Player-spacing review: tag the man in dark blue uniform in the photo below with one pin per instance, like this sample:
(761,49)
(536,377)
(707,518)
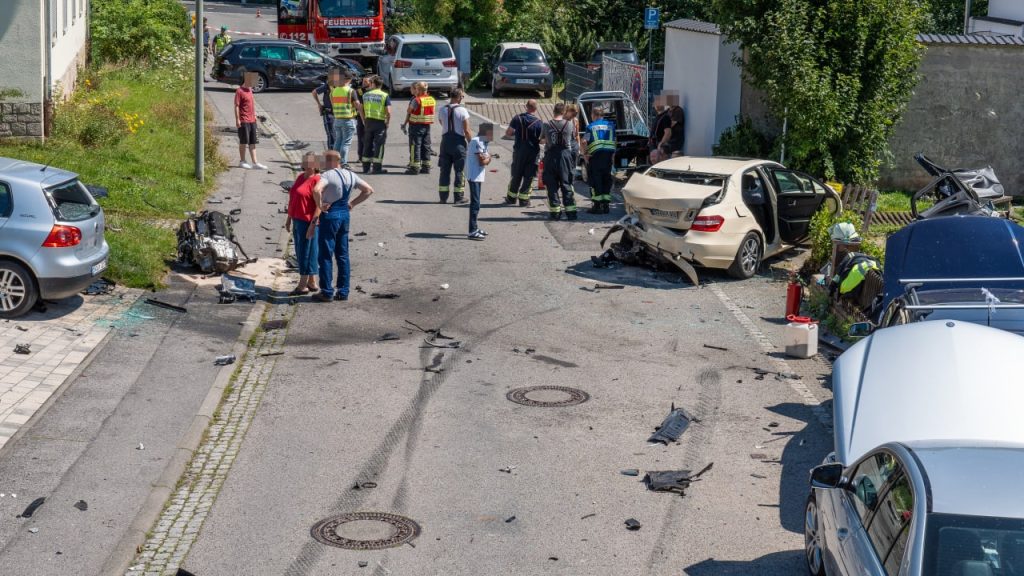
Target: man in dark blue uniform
(526,128)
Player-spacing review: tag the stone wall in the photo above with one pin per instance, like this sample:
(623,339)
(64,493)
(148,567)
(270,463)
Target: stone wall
(21,120)
(966,112)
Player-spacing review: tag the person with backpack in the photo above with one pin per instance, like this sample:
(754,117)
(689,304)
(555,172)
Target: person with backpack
(335,189)
(558,168)
(526,128)
(455,134)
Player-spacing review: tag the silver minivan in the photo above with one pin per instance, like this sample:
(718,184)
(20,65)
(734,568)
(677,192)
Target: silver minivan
(51,236)
(411,58)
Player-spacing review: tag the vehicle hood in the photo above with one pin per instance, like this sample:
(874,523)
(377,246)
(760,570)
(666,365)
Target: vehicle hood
(954,247)
(643,193)
(932,381)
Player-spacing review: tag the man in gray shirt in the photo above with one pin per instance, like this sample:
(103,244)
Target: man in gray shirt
(335,187)
(557,138)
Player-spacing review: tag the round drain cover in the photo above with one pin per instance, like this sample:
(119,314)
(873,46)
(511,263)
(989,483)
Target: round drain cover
(547,396)
(365,530)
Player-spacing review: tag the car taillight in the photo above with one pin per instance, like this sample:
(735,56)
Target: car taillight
(707,223)
(450,63)
(545,69)
(63,237)
(502,69)
(403,64)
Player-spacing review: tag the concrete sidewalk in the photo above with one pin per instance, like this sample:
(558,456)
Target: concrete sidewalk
(121,431)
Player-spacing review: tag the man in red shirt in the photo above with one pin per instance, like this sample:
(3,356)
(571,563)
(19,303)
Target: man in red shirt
(245,120)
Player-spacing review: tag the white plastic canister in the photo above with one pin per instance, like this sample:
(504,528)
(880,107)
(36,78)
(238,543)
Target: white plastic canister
(801,339)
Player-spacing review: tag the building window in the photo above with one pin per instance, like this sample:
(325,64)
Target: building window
(53,21)
(66,18)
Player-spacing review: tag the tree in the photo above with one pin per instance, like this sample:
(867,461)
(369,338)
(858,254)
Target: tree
(947,16)
(839,71)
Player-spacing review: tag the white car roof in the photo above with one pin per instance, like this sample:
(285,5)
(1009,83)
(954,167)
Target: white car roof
(928,381)
(506,45)
(711,164)
(406,38)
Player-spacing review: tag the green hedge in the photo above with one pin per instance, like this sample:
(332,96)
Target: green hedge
(133,30)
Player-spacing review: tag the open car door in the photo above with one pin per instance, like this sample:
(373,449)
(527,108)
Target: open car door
(797,198)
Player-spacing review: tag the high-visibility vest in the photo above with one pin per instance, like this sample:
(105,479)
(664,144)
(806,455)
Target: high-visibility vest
(341,102)
(856,275)
(373,105)
(425,115)
(220,41)
(601,137)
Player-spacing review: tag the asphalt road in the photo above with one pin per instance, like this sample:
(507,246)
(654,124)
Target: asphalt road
(432,428)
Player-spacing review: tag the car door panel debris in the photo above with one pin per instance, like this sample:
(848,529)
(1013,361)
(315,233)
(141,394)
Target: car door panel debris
(676,481)
(673,426)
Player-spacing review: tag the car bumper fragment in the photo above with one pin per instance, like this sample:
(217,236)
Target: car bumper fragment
(631,224)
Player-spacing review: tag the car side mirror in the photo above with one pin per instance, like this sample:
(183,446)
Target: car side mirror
(859,329)
(827,476)
(97,191)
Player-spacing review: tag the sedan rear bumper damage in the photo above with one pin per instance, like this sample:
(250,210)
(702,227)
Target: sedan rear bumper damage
(636,230)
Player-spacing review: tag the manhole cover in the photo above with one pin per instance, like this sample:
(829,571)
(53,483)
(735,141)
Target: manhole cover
(547,396)
(365,530)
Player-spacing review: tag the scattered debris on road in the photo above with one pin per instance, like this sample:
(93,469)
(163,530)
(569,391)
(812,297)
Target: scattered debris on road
(234,287)
(384,295)
(673,426)
(510,519)
(632,524)
(22,349)
(100,287)
(387,336)
(33,530)
(31,509)
(82,505)
(224,360)
(265,354)
(712,347)
(141,446)
(363,563)
(444,286)
(162,304)
(591,515)
(507,469)
(364,486)
(608,287)
(274,325)
(22,328)
(630,472)
(672,480)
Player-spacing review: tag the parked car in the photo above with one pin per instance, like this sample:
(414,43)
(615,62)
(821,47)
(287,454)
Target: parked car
(279,64)
(51,236)
(622,51)
(717,212)
(411,58)
(968,268)
(929,447)
(520,66)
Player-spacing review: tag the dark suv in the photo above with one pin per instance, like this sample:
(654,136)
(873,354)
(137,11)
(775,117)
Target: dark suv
(279,64)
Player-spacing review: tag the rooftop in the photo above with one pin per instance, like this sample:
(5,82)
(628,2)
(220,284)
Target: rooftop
(694,26)
(970,39)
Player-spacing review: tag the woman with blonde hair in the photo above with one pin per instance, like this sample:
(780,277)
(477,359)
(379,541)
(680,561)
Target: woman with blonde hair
(303,216)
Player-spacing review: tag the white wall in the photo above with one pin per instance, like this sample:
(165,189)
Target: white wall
(1012,9)
(691,69)
(730,88)
(68,42)
(21,44)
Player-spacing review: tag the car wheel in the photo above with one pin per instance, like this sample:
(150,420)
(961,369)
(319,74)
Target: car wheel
(813,553)
(18,293)
(748,257)
(261,83)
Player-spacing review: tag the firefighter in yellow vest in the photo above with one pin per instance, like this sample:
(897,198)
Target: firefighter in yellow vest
(419,118)
(345,105)
(376,117)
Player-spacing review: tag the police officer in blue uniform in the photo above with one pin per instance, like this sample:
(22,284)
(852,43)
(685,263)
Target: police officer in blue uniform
(599,154)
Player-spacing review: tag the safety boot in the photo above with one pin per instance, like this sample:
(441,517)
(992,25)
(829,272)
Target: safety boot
(606,208)
(571,216)
(554,216)
(443,197)
(596,208)
(459,199)
(379,169)
(425,169)
(366,167)
(412,170)
(524,203)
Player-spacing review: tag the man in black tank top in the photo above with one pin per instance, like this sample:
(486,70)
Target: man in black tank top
(558,166)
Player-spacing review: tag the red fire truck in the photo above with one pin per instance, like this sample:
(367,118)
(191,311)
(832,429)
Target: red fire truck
(349,28)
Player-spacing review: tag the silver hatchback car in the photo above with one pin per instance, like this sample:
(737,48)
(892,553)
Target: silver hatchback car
(51,236)
(412,58)
(928,465)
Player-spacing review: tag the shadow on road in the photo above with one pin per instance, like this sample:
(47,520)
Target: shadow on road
(804,450)
(435,236)
(777,563)
(630,276)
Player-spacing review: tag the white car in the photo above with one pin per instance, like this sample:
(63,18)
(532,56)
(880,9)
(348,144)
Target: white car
(411,58)
(928,465)
(726,213)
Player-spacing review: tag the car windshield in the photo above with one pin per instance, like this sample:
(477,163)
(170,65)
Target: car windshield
(522,55)
(622,56)
(426,50)
(72,202)
(956,544)
(955,305)
(349,8)
(697,178)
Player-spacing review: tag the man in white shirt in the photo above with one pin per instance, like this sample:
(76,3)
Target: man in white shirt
(478,159)
(455,133)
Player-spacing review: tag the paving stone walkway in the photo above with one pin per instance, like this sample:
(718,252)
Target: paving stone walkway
(58,341)
(181,520)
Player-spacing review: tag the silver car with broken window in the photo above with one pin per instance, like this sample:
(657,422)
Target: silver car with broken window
(929,457)
(51,236)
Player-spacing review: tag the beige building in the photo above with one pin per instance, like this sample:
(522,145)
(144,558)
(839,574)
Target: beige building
(42,47)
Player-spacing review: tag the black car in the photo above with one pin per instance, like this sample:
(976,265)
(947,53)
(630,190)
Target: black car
(279,63)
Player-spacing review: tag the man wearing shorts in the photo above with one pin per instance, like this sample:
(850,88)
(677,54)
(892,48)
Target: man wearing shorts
(245,121)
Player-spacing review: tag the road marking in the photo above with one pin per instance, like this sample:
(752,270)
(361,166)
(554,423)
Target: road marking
(769,348)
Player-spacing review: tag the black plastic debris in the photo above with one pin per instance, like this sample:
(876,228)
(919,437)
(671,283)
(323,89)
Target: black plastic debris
(388,336)
(676,481)
(224,360)
(82,505)
(510,519)
(605,260)
(22,349)
(591,515)
(99,288)
(384,295)
(672,427)
(630,472)
(274,325)
(360,234)
(162,304)
(713,347)
(632,524)
(183,572)
(363,563)
(31,509)
(22,328)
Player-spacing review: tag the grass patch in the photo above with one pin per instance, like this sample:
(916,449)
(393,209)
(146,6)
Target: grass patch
(141,151)
(899,201)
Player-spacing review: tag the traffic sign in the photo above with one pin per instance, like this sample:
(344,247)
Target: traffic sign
(652,16)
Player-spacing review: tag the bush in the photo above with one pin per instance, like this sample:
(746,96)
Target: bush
(744,141)
(125,30)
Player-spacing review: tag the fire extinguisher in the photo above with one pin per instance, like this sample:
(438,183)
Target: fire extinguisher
(794,293)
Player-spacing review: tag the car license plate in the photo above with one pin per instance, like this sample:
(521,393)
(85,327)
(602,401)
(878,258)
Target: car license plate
(429,72)
(99,268)
(673,214)
(524,81)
